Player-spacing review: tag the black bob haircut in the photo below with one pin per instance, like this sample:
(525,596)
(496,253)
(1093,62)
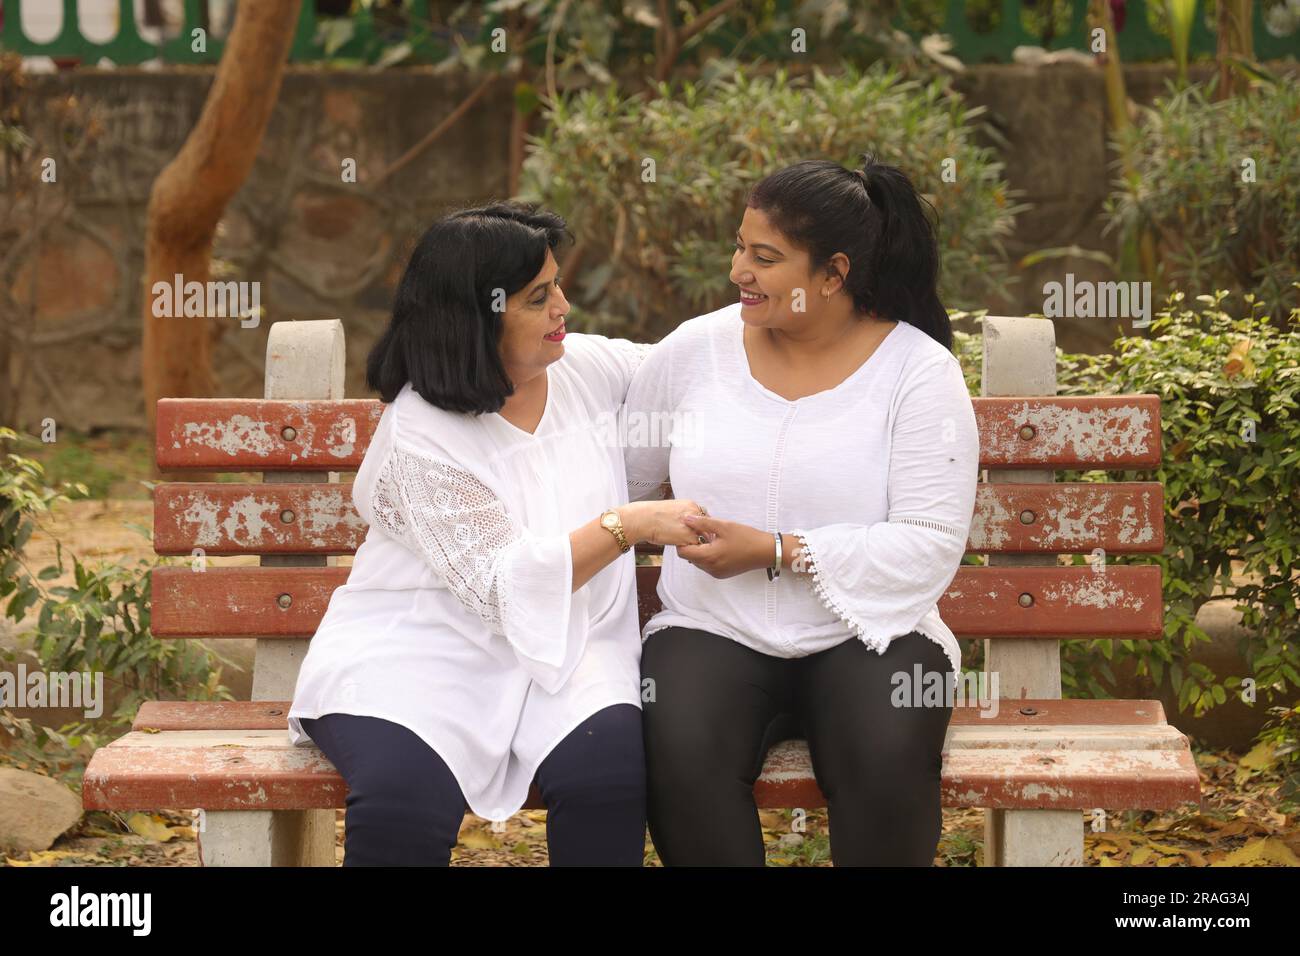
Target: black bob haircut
(444,334)
(873,215)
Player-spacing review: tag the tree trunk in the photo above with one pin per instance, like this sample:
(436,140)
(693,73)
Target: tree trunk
(1236,39)
(191,193)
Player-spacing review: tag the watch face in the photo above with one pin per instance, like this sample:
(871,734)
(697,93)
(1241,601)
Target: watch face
(609,520)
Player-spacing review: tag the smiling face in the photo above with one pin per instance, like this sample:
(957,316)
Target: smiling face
(775,278)
(532,333)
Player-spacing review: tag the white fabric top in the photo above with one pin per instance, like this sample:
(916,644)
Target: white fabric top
(458,619)
(878,474)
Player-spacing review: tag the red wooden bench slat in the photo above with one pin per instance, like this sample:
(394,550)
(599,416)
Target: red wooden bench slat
(1123,601)
(226,519)
(215,434)
(1110,431)
(235,434)
(158,715)
(1068,518)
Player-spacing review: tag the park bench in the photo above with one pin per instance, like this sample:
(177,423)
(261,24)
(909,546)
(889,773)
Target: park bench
(1038,768)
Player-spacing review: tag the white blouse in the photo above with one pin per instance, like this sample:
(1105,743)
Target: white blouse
(878,475)
(458,619)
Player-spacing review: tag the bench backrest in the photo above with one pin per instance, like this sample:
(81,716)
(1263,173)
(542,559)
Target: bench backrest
(299,519)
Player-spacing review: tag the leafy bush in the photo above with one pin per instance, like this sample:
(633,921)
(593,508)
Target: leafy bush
(101,622)
(1213,228)
(658,242)
(1279,751)
(1231,495)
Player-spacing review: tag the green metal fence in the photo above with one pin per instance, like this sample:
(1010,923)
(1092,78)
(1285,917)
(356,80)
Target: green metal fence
(981,31)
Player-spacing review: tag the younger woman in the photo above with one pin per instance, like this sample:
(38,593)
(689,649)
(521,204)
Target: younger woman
(828,429)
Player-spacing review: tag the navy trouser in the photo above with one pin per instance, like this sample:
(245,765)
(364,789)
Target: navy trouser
(404,806)
(719,705)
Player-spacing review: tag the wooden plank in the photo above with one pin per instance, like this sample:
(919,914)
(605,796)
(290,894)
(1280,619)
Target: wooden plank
(281,518)
(1123,601)
(1105,431)
(261,770)
(1068,518)
(156,715)
(215,434)
(225,518)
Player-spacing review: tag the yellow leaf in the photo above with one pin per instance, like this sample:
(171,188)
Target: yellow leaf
(1260,853)
(478,839)
(149,827)
(1141,855)
(41,858)
(1239,361)
(1260,756)
(1107,861)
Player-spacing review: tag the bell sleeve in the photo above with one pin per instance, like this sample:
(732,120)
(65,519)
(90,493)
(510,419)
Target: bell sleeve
(520,585)
(881,579)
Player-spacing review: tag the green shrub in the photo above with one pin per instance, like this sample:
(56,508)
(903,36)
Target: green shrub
(658,251)
(99,623)
(1228,498)
(1214,229)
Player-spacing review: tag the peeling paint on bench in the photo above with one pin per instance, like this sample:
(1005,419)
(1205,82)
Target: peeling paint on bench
(1116,431)
(225,519)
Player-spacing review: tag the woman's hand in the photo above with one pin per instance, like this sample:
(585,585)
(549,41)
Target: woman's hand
(732,548)
(659,522)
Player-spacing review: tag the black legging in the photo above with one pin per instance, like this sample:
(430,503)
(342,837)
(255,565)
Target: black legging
(404,806)
(719,705)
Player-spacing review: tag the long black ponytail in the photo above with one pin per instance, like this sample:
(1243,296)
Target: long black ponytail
(873,215)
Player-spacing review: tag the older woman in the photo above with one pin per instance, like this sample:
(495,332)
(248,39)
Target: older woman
(834,443)
(487,634)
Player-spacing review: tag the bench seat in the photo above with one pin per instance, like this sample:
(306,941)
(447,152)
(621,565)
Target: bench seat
(1035,754)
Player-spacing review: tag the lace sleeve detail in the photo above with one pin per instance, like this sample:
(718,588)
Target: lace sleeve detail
(455,522)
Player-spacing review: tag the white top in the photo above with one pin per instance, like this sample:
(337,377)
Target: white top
(458,619)
(878,474)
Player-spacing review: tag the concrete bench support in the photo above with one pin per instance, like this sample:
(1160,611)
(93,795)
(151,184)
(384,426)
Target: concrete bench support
(303,360)
(1020,359)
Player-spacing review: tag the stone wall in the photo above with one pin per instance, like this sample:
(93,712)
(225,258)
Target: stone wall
(322,248)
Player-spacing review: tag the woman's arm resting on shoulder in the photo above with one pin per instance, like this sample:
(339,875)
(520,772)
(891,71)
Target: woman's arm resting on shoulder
(612,363)
(650,417)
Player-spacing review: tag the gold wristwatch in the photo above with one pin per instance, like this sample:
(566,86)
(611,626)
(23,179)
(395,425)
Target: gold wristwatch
(612,523)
